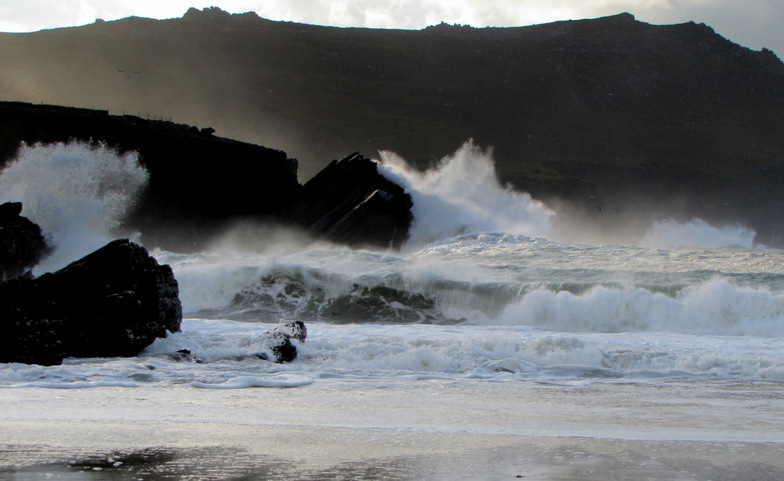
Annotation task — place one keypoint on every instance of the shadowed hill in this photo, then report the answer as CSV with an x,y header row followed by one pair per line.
x,y
617,118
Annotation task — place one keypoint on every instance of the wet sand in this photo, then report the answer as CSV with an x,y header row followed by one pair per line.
x,y
399,431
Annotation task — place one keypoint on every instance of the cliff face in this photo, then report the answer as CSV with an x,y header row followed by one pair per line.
x,y
198,182
634,118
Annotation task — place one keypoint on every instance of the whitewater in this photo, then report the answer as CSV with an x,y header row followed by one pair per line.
x,y
558,338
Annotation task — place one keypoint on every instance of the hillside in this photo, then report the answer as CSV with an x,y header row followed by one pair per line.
x,y
617,118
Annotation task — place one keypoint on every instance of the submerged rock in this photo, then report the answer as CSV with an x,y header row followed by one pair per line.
x,y
22,245
274,345
279,342
113,302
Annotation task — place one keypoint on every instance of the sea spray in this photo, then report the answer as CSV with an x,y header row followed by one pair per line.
x,y
463,195
695,233
78,193
497,280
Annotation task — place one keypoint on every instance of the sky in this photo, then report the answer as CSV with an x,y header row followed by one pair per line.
x,y
751,23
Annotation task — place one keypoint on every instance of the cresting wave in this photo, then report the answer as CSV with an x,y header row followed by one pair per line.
x,y
696,233
463,195
79,193
484,280
375,353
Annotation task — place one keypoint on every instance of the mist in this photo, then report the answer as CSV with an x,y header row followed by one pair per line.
x,y
463,195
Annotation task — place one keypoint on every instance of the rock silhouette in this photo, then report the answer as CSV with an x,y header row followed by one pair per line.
x,y
113,302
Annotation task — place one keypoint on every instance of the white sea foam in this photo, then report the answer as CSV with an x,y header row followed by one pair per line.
x,y
77,193
455,352
463,195
495,302
243,382
714,307
365,352
696,233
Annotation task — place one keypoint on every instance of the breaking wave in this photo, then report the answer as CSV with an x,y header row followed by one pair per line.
x,y
463,195
494,280
78,193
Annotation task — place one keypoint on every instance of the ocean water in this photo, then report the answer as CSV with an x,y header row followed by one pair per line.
x,y
480,295
478,292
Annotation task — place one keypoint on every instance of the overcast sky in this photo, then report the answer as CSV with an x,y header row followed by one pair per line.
x,y
751,23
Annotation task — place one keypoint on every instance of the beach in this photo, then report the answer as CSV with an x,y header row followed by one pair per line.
x,y
406,429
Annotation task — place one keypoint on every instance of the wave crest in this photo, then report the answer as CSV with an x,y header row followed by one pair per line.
x,y
463,195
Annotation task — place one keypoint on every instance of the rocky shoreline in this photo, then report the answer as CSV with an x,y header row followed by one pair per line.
x,y
349,202
113,302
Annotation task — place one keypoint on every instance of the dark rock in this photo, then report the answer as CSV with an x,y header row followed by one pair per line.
x,y
349,202
184,355
275,345
244,180
277,342
10,211
22,245
113,302
279,348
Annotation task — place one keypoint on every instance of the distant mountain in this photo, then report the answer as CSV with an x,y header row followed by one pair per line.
x,y
615,118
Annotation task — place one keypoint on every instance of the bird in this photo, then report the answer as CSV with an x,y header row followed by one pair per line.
x,y
128,74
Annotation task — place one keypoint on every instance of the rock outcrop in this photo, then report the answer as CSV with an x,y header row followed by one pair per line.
x,y
198,182
278,341
113,302
22,244
350,202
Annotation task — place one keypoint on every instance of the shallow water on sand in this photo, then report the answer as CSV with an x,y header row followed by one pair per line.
x,y
404,429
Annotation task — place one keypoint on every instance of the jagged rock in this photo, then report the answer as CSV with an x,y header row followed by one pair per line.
x,y
275,345
22,245
349,202
10,211
279,347
113,302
